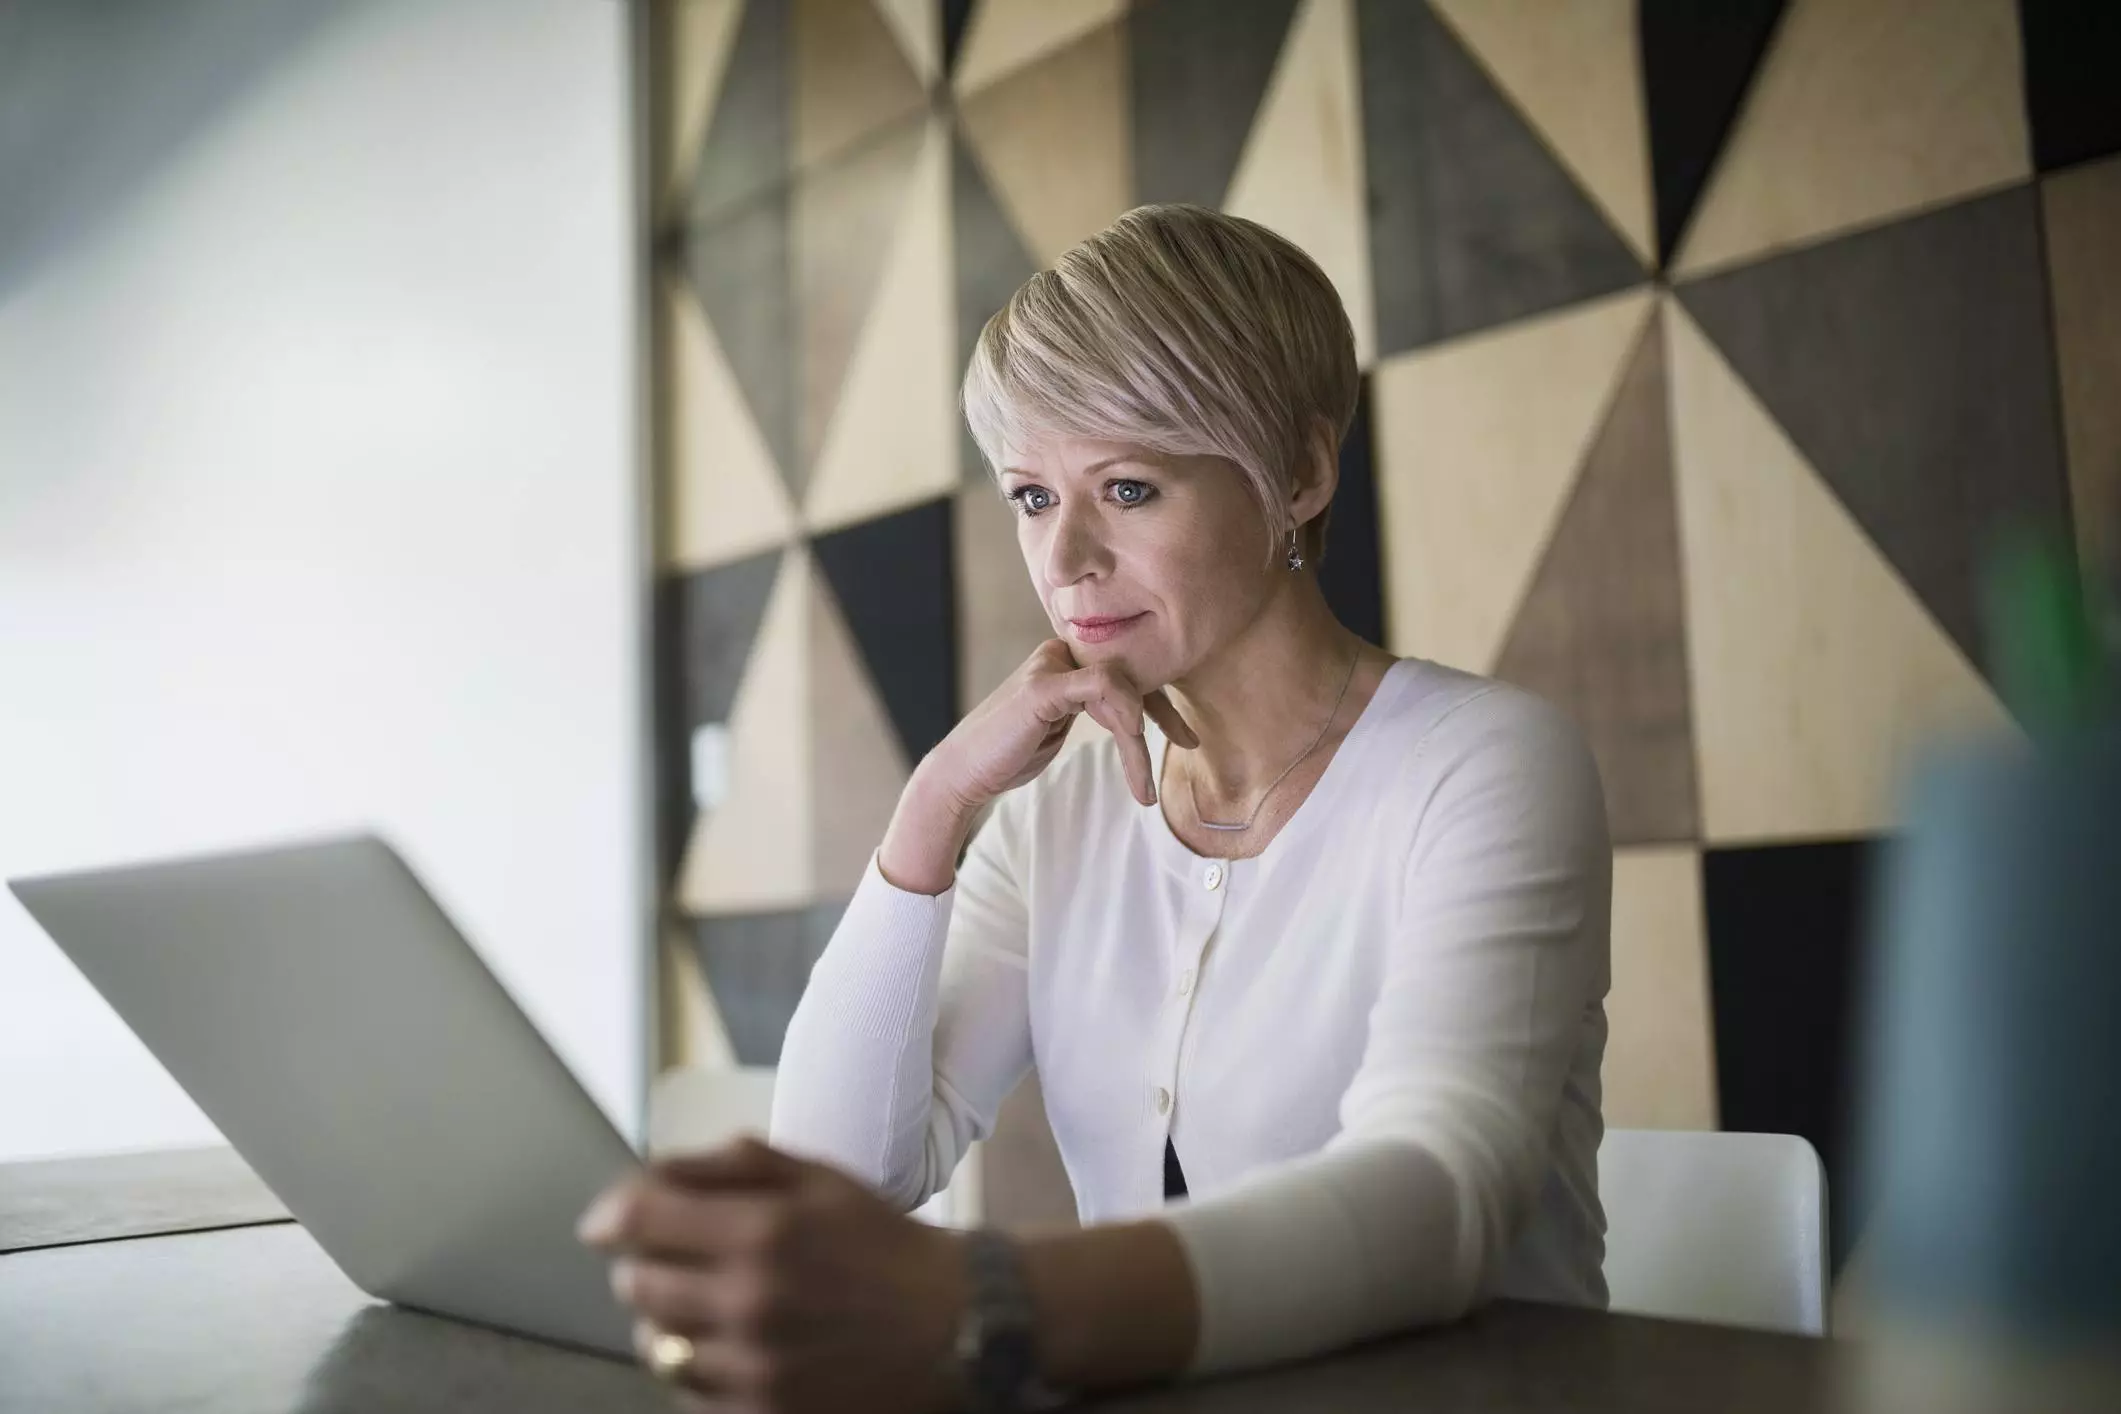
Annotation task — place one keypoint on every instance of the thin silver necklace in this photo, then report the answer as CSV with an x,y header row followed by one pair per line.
x,y
1194,793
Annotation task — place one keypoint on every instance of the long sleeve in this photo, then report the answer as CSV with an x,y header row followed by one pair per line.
x,y
914,1026
1491,988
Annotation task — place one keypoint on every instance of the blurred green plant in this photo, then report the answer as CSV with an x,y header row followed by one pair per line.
x,y
2047,627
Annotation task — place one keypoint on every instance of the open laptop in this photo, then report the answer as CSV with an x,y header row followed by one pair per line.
x,y
322,1010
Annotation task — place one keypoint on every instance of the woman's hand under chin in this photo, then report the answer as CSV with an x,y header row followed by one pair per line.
x,y
1005,742
801,1291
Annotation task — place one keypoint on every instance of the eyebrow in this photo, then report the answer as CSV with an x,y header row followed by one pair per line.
x,y
1135,458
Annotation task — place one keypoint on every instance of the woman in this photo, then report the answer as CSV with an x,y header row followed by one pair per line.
x,y
1313,936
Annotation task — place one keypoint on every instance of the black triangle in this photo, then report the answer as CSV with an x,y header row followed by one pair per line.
x,y
1197,72
1352,574
892,578
705,625
1912,366
2072,94
1697,63
756,965
1786,933
749,141
957,15
1473,221
991,264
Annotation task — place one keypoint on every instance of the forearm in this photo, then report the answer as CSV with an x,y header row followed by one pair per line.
x,y
854,1081
1114,1305
905,1041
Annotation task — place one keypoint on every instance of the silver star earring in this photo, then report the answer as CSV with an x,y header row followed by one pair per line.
x,y
1295,558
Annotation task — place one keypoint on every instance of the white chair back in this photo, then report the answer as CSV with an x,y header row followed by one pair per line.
x,y
698,1107
1724,1228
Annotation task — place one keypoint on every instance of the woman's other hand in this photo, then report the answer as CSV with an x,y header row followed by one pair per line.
x,y
801,1291
1006,742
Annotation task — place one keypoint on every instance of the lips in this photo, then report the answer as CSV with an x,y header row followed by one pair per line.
x,y
1102,628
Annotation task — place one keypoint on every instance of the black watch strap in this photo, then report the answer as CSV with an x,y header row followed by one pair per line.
x,y
997,1352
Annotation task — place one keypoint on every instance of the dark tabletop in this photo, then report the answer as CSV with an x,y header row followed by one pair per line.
x,y
55,1201
257,1320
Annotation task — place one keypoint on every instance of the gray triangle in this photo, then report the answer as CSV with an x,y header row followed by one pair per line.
x,y
748,147
1602,630
1911,365
1473,222
1199,69
991,264
741,268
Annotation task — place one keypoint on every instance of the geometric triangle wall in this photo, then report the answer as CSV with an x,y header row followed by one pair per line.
x,y
1705,347
1913,366
1602,629
1574,72
1473,220
1472,475
1864,111
1698,63
1816,672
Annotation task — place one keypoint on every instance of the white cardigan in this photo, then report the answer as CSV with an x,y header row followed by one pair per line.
x,y
1375,1047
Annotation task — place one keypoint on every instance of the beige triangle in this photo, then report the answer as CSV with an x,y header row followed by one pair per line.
x,y
920,34
693,1033
1865,110
892,439
1478,443
1660,1055
1816,671
1301,173
1574,70
701,35
859,768
850,76
1054,143
726,499
1007,34
752,853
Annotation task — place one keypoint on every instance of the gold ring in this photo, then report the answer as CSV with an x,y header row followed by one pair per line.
x,y
669,1356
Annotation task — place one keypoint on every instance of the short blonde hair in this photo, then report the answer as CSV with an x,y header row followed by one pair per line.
x,y
1182,330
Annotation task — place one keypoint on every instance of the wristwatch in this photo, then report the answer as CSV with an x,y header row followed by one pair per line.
x,y
996,1352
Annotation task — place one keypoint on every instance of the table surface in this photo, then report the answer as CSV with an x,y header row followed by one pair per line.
x,y
257,1320
55,1201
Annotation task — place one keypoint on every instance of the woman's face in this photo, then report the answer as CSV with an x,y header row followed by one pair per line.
x,y
1145,560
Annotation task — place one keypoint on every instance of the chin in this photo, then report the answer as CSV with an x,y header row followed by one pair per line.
x,y
1146,665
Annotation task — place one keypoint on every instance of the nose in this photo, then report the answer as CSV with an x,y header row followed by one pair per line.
x,y
1075,544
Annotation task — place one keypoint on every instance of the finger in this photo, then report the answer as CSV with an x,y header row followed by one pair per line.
x,y
652,1217
744,1162
1125,728
724,1373
1158,706
1134,760
1108,697
669,1295
733,1299
1113,704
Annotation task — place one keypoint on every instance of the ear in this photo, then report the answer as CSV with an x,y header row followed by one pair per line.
x,y
1317,477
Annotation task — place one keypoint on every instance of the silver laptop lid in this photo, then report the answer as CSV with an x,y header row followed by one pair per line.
x,y
322,1010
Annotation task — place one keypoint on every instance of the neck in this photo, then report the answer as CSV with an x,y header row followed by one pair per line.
x,y
1266,694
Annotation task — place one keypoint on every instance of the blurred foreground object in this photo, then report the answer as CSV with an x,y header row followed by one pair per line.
x,y
1991,1142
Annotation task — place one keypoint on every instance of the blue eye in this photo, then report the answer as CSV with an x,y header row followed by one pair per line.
x,y
1132,493
1030,500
